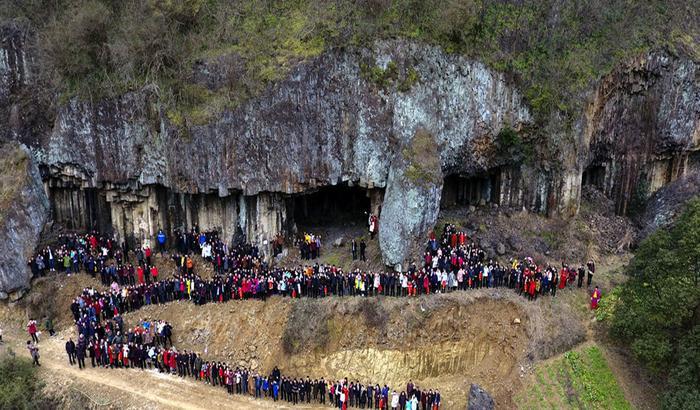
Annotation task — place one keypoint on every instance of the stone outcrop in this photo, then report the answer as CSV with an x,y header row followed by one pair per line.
x,y
327,124
644,128
412,199
668,203
346,118
24,209
479,399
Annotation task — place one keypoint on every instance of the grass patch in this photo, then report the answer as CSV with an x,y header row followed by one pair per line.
x,y
581,378
422,159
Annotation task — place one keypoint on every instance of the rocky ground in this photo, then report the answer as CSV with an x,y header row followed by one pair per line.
x,y
595,233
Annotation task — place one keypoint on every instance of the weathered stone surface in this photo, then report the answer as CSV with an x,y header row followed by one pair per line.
x,y
501,249
668,202
23,211
329,123
479,399
412,198
325,124
643,127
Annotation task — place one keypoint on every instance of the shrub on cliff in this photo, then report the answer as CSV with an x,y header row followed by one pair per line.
x,y
657,309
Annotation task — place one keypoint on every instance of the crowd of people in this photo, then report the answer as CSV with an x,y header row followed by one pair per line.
x,y
103,337
451,262
309,246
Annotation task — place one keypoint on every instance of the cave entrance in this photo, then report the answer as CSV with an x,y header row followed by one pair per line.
x,y
594,175
461,190
331,205
80,209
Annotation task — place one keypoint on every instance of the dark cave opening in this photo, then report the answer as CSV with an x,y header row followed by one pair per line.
x,y
594,175
330,205
461,190
80,209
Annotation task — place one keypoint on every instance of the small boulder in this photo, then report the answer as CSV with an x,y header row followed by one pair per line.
x,y
479,399
515,243
516,321
484,244
338,242
501,249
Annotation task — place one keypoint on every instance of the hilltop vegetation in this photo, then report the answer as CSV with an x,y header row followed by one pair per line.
x,y
555,49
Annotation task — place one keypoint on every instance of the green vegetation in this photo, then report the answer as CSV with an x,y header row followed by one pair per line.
x,y
656,310
13,175
580,379
20,387
412,78
381,77
554,49
422,160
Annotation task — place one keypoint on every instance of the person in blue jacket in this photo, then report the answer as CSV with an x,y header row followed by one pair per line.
x,y
161,241
275,390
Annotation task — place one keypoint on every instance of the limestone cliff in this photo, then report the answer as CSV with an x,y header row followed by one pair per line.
x,y
348,117
24,208
643,128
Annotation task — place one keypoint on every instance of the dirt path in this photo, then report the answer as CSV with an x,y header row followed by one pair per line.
x,y
136,388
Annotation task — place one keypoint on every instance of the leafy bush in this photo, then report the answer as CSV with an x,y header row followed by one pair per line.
x,y
20,388
685,376
657,307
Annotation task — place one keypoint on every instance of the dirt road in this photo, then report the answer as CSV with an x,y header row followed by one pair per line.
x,y
131,388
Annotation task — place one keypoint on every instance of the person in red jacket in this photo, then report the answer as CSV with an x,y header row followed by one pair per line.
x,y
563,275
139,274
173,362
32,329
154,273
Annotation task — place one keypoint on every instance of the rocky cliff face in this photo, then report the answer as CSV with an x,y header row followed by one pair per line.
x,y
24,208
349,117
327,124
644,128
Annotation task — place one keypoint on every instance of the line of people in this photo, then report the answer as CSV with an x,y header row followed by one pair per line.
x,y
145,346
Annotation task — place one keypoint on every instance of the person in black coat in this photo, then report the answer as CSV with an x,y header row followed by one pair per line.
x,y
70,349
80,352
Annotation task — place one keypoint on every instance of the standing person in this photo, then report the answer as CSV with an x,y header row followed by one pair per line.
x,y
48,324
372,225
581,273
363,248
595,298
80,351
34,351
161,241
394,400
591,271
70,349
31,328
353,248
